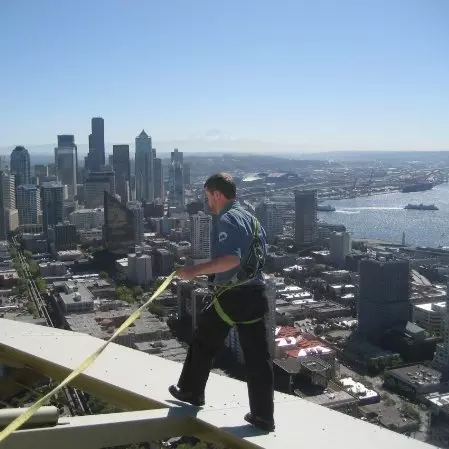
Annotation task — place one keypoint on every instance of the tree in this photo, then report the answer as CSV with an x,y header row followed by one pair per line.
x,y
31,309
137,291
41,285
103,275
34,269
156,309
22,286
28,254
125,294
411,412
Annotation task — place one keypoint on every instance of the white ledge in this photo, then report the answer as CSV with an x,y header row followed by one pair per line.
x,y
139,381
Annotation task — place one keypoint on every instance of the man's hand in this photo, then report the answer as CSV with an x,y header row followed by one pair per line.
x,y
186,273
218,265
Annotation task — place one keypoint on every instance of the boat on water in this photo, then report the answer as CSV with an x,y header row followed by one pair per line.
x,y
325,208
418,187
421,207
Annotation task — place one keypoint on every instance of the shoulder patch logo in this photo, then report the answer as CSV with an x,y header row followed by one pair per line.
x,y
222,236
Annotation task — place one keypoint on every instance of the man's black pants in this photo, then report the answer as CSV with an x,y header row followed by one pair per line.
x,y
243,303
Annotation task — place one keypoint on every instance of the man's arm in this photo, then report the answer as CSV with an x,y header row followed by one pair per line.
x,y
218,265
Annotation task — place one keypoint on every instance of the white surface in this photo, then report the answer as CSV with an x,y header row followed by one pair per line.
x,y
149,376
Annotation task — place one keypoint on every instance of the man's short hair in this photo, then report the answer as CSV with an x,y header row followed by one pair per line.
x,y
223,183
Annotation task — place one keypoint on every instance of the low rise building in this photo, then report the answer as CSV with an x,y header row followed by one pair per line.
x,y
8,278
413,380
102,325
48,269
69,255
74,297
87,218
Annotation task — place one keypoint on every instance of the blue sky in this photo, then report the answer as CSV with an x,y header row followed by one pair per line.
x,y
322,75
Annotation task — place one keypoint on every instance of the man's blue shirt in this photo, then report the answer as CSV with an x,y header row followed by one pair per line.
x,y
232,234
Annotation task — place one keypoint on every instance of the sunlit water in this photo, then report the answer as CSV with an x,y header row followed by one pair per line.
x,y
384,217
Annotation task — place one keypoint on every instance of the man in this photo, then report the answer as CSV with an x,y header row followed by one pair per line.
x,y
238,253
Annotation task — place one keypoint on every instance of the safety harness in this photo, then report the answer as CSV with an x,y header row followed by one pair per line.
x,y
253,265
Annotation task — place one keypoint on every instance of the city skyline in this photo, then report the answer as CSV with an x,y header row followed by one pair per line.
x,y
300,77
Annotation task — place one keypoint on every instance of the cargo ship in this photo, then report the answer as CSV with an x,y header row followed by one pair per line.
x,y
418,187
325,208
421,207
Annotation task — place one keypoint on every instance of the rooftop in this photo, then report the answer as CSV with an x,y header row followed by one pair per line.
x,y
417,374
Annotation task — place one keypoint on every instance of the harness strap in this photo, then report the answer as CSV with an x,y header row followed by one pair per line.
x,y
227,319
257,252
222,314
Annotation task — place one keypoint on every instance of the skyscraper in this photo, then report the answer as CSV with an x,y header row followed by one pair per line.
x,y
9,216
20,165
136,208
96,156
158,179
122,170
40,172
28,204
306,229
118,229
66,163
200,235
144,168
384,299
52,201
271,216
95,184
186,170
8,190
176,178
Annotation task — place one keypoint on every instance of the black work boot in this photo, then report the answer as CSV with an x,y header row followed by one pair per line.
x,y
260,423
182,396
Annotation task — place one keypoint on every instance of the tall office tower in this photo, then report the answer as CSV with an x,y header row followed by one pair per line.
x,y
52,203
9,216
158,179
29,204
441,358
4,163
271,217
20,165
40,172
144,168
51,169
95,159
118,229
122,170
8,185
384,299
95,184
200,235
65,236
66,163
340,247
176,178
306,229
186,174
136,208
